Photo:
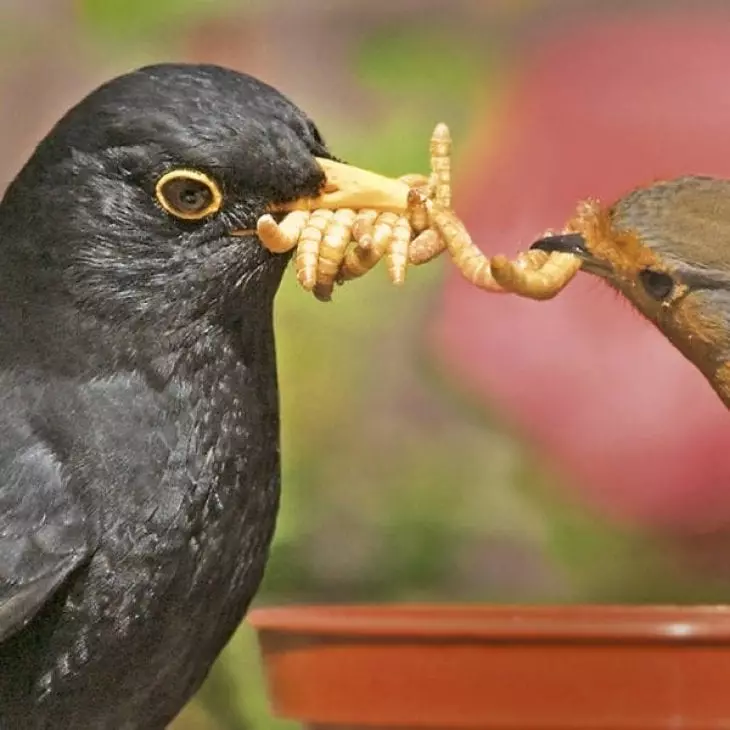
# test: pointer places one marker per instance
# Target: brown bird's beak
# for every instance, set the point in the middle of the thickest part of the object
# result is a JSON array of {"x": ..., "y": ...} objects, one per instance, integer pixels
[
  {"x": 574, "y": 243},
  {"x": 347, "y": 186}
]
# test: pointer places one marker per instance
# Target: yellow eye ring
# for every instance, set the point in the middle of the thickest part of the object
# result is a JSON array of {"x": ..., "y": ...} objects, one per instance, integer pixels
[{"x": 188, "y": 194}]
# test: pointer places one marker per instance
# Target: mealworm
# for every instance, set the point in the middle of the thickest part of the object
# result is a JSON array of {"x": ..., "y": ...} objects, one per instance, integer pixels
[{"x": 308, "y": 247}]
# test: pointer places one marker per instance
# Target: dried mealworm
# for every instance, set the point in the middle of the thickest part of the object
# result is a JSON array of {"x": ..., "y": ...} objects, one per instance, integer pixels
[
  {"x": 307, "y": 257},
  {"x": 281, "y": 237},
  {"x": 533, "y": 274},
  {"x": 472, "y": 263},
  {"x": 332, "y": 251},
  {"x": 364, "y": 223},
  {"x": 425, "y": 247},
  {"x": 383, "y": 230},
  {"x": 397, "y": 252},
  {"x": 540, "y": 277},
  {"x": 441, "y": 165},
  {"x": 362, "y": 256},
  {"x": 370, "y": 248},
  {"x": 418, "y": 209}
]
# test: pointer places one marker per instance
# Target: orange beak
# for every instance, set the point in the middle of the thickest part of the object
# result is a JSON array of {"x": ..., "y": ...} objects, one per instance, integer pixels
[{"x": 352, "y": 187}]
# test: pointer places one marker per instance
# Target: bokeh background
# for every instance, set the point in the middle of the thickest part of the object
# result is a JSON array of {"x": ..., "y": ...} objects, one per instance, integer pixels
[{"x": 441, "y": 443}]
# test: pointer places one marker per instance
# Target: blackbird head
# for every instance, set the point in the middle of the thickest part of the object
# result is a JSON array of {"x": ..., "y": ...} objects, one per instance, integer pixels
[
  {"x": 665, "y": 248},
  {"x": 133, "y": 222}
]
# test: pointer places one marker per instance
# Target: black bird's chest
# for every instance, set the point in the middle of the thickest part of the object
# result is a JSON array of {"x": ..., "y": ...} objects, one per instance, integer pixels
[{"x": 184, "y": 487}]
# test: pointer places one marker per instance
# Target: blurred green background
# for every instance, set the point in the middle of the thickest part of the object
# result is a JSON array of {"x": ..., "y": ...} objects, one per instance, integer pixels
[{"x": 396, "y": 485}]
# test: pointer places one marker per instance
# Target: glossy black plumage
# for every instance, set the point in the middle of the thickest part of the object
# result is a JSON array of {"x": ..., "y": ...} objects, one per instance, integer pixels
[{"x": 139, "y": 431}]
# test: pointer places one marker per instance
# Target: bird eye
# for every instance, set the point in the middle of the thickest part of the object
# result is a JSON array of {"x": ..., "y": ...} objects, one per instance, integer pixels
[
  {"x": 657, "y": 284},
  {"x": 188, "y": 194}
]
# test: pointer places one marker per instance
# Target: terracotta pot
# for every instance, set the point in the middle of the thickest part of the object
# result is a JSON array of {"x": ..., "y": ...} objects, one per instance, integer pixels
[{"x": 417, "y": 666}]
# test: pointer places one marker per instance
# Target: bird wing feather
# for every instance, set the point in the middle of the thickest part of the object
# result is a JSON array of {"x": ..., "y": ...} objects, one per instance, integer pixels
[{"x": 43, "y": 532}]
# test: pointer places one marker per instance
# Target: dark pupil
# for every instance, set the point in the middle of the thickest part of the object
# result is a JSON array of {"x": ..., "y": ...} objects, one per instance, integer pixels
[
  {"x": 189, "y": 196},
  {"x": 658, "y": 285}
]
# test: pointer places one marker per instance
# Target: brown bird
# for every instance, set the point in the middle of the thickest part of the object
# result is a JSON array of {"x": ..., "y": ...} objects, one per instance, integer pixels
[{"x": 666, "y": 248}]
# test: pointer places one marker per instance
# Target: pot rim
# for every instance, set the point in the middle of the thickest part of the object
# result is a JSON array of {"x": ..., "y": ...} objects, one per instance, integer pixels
[{"x": 575, "y": 622}]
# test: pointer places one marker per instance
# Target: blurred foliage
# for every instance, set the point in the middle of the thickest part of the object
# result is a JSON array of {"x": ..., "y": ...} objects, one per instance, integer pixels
[
  {"x": 419, "y": 62},
  {"x": 125, "y": 22}
]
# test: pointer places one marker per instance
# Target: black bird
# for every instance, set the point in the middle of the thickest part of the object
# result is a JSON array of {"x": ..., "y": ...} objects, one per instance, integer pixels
[{"x": 139, "y": 415}]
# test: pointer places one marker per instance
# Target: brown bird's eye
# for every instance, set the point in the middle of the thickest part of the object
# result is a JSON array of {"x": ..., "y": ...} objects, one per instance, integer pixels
[
  {"x": 188, "y": 194},
  {"x": 657, "y": 284}
]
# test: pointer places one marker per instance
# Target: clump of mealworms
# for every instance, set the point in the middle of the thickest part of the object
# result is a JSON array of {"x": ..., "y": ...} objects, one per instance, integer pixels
[{"x": 335, "y": 246}]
